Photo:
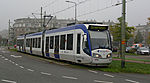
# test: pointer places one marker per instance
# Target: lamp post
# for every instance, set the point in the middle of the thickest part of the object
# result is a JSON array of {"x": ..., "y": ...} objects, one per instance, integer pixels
[{"x": 75, "y": 9}]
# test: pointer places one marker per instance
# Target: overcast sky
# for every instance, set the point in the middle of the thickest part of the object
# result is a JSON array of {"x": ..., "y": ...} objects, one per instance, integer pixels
[{"x": 137, "y": 10}]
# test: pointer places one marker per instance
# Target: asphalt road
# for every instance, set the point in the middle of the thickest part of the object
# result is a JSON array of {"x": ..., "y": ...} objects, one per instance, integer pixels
[{"x": 17, "y": 67}]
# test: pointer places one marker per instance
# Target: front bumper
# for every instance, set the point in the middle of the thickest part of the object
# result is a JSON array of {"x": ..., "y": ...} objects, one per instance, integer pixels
[{"x": 101, "y": 61}]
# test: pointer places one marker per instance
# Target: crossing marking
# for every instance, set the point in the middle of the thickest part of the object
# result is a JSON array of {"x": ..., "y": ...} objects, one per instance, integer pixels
[
  {"x": 131, "y": 81},
  {"x": 109, "y": 75},
  {"x": 8, "y": 81},
  {"x": 73, "y": 78},
  {"x": 97, "y": 81},
  {"x": 46, "y": 73},
  {"x": 30, "y": 70},
  {"x": 92, "y": 71},
  {"x": 16, "y": 56}
]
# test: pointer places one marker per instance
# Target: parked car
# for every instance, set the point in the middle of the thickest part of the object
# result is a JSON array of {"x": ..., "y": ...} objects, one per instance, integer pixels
[
  {"x": 143, "y": 50},
  {"x": 128, "y": 49},
  {"x": 115, "y": 49}
]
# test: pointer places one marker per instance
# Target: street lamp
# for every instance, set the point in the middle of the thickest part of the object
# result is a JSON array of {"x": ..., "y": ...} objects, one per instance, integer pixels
[{"x": 75, "y": 9}]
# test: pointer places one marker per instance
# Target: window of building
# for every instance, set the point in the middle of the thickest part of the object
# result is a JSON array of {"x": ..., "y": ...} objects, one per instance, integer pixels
[
  {"x": 62, "y": 42},
  {"x": 69, "y": 41}
]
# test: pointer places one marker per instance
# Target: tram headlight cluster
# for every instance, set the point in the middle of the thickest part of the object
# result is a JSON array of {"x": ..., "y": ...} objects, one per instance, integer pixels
[
  {"x": 109, "y": 55},
  {"x": 96, "y": 55}
]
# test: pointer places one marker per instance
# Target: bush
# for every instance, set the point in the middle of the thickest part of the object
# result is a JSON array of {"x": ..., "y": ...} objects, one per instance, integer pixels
[{"x": 133, "y": 50}]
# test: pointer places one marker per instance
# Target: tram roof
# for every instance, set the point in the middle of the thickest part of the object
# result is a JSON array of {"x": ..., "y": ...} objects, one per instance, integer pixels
[
  {"x": 34, "y": 34},
  {"x": 78, "y": 26}
]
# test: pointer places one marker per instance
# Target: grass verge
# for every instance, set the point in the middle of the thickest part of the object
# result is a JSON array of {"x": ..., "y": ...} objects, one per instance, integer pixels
[
  {"x": 134, "y": 59},
  {"x": 130, "y": 68},
  {"x": 13, "y": 49}
]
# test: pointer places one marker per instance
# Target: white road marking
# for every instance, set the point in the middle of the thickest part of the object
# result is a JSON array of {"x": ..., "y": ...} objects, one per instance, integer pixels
[
  {"x": 16, "y": 56},
  {"x": 16, "y": 64},
  {"x": 3, "y": 57},
  {"x": 102, "y": 81},
  {"x": 21, "y": 67},
  {"x": 13, "y": 62},
  {"x": 73, "y": 78},
  {"x": 6, "y": 59},
  {"x": 8, "y": 81},
  {"x": 0, "y": 55},
  {"x": 109, "y": 75},
  {"x": 10, "y": 61},
  {"x": 30, "y": 70},
  {"x": 92, "y": 71},
  {"x": 131, "y": 81},
  {"x": 46, "y": 73}
]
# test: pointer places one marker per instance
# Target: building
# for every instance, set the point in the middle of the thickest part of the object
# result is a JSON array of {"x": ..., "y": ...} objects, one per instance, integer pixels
[
  {"x": 144, "y": 30},
  {"x": 31, "y": 25}
]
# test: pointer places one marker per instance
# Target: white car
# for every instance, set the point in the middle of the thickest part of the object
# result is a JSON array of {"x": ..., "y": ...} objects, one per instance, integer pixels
[{"x": 143, "y": 50}]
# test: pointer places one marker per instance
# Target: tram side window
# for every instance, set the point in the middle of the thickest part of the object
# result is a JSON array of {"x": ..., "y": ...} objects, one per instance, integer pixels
[
  {"x": 78, "y": 43},
  {"x": 62, "y": 42},
  {"x": 47, "y": 43},
  {"x": 31, "y": 41},
  {"x": 39, "y": 42},
  {"x": 27, "y": 43},
  {"x": 35, "y": 43},
  {"x": 69, "y": 41},
  {"x": 51, "y": 42},
  {"x": 21, "y": 42},
  {"x": 18, "y": 42},
  {"x": 85, "y": 47}
]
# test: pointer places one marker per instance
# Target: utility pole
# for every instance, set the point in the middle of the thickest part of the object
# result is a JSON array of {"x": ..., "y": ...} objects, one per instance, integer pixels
[
  {"x": 123, "y": 33},
  {"x": 75, "y": 10},
  {"x": 44, "y": 25},
  {"x": 45, "y": 16},
  {"x": 41, "y": 19},
  {"x": 8, "y": 34}
]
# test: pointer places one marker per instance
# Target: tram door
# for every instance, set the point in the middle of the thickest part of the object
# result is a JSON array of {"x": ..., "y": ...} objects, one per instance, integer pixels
[
  {"x": 56, "y": 50},
  {"x": 47, "y": 47},
  {"x": 78, "y": 48}
]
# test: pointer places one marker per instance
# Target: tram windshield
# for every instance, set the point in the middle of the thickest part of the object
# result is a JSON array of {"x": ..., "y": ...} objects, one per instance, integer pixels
[{"x": 100, "y": 39}]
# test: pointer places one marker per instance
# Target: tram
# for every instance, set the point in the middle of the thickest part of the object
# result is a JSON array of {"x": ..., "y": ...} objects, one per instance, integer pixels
[{"x": 88, "y": 44}]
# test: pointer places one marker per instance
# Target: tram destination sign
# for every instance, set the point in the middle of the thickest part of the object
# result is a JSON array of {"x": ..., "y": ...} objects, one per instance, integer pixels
[{"x": 97, "y": 28}]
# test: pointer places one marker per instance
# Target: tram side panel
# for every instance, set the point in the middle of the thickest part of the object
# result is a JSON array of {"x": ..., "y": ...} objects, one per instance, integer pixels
[{"x": 33, "y": 45}]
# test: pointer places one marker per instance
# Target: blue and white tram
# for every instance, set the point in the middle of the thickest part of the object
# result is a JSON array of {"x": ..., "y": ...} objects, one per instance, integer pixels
[
  {"x": 20, "y": 43},
  {"x": 83, "y": 43}
]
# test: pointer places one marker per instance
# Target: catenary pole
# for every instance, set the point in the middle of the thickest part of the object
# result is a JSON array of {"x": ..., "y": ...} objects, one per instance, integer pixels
[
  {"x": 41, "y": 19},
  {"x": 123, "y": 33}
]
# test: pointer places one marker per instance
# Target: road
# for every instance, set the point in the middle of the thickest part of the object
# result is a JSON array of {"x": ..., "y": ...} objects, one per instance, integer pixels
[{"x": 17, "y": 67}]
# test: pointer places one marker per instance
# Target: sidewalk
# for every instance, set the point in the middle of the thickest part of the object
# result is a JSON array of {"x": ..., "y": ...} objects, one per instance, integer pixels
[{"x": 143, "y": 57}]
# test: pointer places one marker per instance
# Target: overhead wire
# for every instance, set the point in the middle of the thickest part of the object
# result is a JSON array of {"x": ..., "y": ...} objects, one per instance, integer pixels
[
  {"x": 102, "y": 9},
  {"x": 70, "y": 7},
  {"x": 54, "y": 1}
]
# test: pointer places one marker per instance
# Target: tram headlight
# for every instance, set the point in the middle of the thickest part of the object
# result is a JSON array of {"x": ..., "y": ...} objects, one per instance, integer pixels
[
  {"x": 96, "y": 55},
  {"x": 109, "y": 55}
]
